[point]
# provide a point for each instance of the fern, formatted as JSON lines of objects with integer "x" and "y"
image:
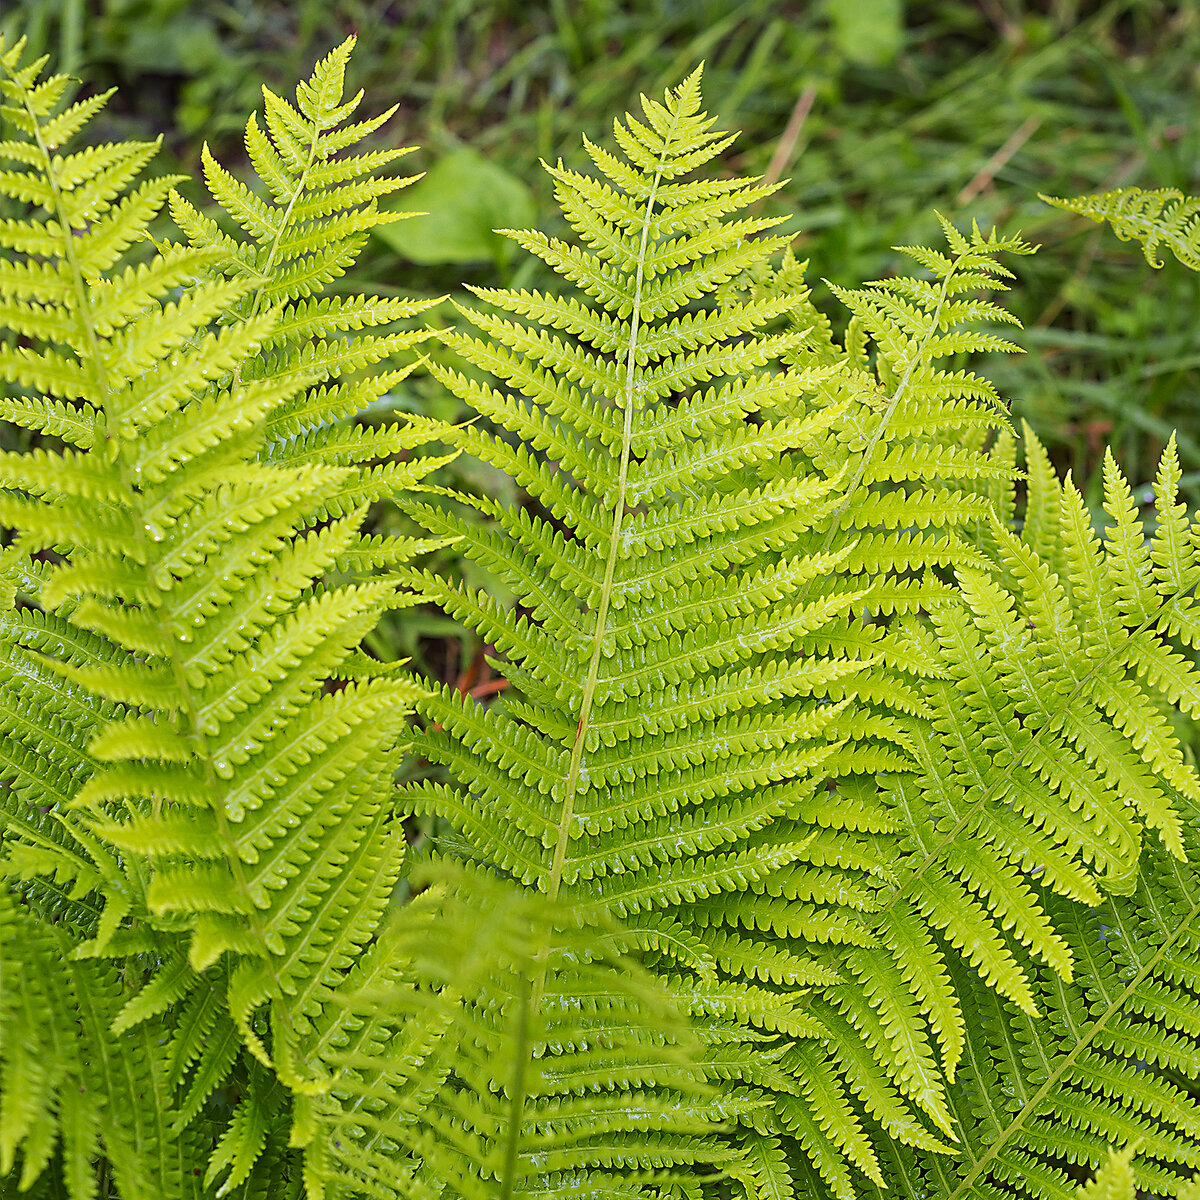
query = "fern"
{"x": 495, "y": 1089}
{"x": 1039, "y": 1099}
{"x": 287, "y": 248}
{"x": 811, "y": 557}
{"x": 1020, "y": 714}
{"x": 1156, "y": 218}
{"x": 662, "y": 762}
{"x": 832, "y": 835}
{"x": 1107, "y": 624}
{"x": 197, "y": 825}
{"x": 1115, "y": 1181}
{"x": 1036, "y": 738}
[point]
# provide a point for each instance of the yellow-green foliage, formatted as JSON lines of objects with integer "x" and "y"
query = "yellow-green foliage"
{"x": 861, "y": 750}
{"x": 197, "y": 825}
{"x": 833, "y": 834}
{"x": 1160, "y": 217}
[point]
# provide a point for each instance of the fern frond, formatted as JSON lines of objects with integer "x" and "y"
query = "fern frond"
{"x": 290, "y": 247}
{"x": 1157, "y": 217}
{"x": 1030, "y": 747}
{"x": 1039, "y": 1099}
{"x": 679, "y": 679}
{"x": 190, "y": 779}
{"x": 521, "y": 1058}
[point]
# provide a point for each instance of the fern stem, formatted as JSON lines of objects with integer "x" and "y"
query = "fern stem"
{"x": 571, "y": 781}
{"x": 512, "y": 1143}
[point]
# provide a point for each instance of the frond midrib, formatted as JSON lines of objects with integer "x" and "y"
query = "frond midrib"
{"x": 570, "y": 783}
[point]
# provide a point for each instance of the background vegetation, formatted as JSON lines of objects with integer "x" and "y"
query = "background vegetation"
{"x": 879, "y": 112}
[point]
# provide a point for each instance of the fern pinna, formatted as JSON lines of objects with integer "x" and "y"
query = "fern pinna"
{"x": 1051, "y": 678}
{"x": 199, "y": 757}
{"x": 1107, "y": 1061}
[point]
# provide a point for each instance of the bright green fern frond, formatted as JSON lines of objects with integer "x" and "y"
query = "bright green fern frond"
{"x": 1037, "y": 1100}
{"x": 1022, "y": 716}
{"x": 1049, "y": 701}
{"x": 1159, "y": 217}
{"x": 754, "y": 559}
{"x": 1043, "y": 751}
{"x": 906, "y": 432}
{"x": 520, "y": 1058}
{"x": 324, "y": 350}
{"x": 679, "y": 678}
{"x": 197, "y": 751}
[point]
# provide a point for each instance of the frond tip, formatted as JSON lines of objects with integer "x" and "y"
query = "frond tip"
{"x": 1157, "y": 217}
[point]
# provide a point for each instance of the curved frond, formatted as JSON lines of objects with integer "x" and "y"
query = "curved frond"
{"x": 197, "y": 752}
{"x": 1158, "y": 218}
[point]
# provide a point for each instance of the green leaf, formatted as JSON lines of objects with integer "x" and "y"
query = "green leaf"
{"x": 467, "y": 199}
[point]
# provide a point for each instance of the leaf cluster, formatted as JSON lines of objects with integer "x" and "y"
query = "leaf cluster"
{"x": 832, "y": 834}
